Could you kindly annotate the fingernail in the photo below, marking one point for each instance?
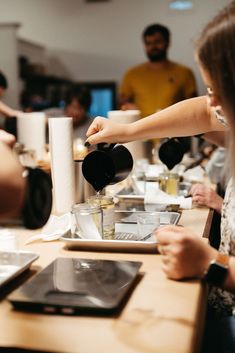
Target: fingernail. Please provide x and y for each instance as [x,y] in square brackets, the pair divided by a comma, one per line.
[87,144]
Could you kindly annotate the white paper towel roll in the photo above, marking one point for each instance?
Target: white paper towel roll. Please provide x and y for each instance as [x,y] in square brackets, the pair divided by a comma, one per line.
[31,131]
[126,117]
[62,165]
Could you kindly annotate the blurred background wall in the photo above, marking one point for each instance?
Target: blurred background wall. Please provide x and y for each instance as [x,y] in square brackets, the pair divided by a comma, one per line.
[100,41]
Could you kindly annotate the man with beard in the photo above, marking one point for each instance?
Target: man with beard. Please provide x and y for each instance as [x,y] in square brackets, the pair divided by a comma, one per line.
[158,83]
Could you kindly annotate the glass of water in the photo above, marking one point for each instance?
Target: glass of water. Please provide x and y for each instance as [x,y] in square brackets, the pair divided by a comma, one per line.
[147,223]
[106,203]
[89,221]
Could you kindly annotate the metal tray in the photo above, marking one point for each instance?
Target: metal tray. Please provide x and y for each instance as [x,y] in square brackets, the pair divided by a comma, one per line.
[131,216]
[129,193]
[149,245]
[13,263]
[125,222]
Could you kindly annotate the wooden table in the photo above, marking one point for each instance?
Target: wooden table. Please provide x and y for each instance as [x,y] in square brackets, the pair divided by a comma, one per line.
[161,315]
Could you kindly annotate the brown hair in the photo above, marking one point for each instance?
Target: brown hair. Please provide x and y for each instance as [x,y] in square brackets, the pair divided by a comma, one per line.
[216,53]
[157,28]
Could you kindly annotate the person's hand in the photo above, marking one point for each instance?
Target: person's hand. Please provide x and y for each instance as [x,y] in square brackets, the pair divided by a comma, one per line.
[17,113]
[7,138]
[205,196]
[185,255]
[104,130]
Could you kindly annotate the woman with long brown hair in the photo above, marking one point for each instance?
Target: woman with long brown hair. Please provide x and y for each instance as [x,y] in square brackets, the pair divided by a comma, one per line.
[185,255]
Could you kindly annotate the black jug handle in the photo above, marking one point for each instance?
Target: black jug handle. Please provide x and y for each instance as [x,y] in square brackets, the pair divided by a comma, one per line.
[105,146]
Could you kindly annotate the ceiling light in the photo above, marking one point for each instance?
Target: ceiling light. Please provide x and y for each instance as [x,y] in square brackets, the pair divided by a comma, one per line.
[181,5]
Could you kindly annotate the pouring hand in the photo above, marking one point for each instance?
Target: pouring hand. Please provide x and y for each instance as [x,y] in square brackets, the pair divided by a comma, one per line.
[104,130]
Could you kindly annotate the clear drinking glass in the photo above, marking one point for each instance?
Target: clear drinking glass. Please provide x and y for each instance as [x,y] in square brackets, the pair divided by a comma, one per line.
[169,183]
[147,223]
[89,220]
[138,176]
[107,205]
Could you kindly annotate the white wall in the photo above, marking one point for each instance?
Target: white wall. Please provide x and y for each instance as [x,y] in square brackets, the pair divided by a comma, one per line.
[100,41]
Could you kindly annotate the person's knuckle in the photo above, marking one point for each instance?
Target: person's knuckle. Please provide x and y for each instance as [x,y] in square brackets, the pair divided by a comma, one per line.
[184,238]
[176,251]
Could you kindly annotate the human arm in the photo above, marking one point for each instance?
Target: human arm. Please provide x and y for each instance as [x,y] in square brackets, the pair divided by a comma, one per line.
[217,138]
[7,111]
[189,117]
[12,184]
[205,196]
[185,255]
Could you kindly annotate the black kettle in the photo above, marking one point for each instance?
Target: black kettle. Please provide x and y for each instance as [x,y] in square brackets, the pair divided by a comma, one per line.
[171,152]
[108,164]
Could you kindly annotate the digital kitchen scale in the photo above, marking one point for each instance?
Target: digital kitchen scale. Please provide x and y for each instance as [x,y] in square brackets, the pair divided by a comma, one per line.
[74,286]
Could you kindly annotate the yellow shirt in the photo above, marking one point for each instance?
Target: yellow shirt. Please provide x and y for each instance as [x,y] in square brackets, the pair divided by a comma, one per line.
[155,89]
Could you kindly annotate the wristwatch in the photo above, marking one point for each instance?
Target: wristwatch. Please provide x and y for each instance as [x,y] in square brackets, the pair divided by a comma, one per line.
[217,270]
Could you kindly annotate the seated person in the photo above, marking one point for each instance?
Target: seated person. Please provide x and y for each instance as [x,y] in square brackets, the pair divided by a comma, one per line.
[5,109]
[7,138]
[77,104]
[12,183]
[204,195]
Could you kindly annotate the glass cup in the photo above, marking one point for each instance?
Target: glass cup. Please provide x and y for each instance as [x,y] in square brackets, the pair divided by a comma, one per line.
[147,223]
[89,221]
[107,205]
[138,183]
[169,183]
[138,176]
[141,164]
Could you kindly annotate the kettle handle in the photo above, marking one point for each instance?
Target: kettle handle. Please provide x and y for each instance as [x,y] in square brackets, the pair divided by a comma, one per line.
[105,146]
